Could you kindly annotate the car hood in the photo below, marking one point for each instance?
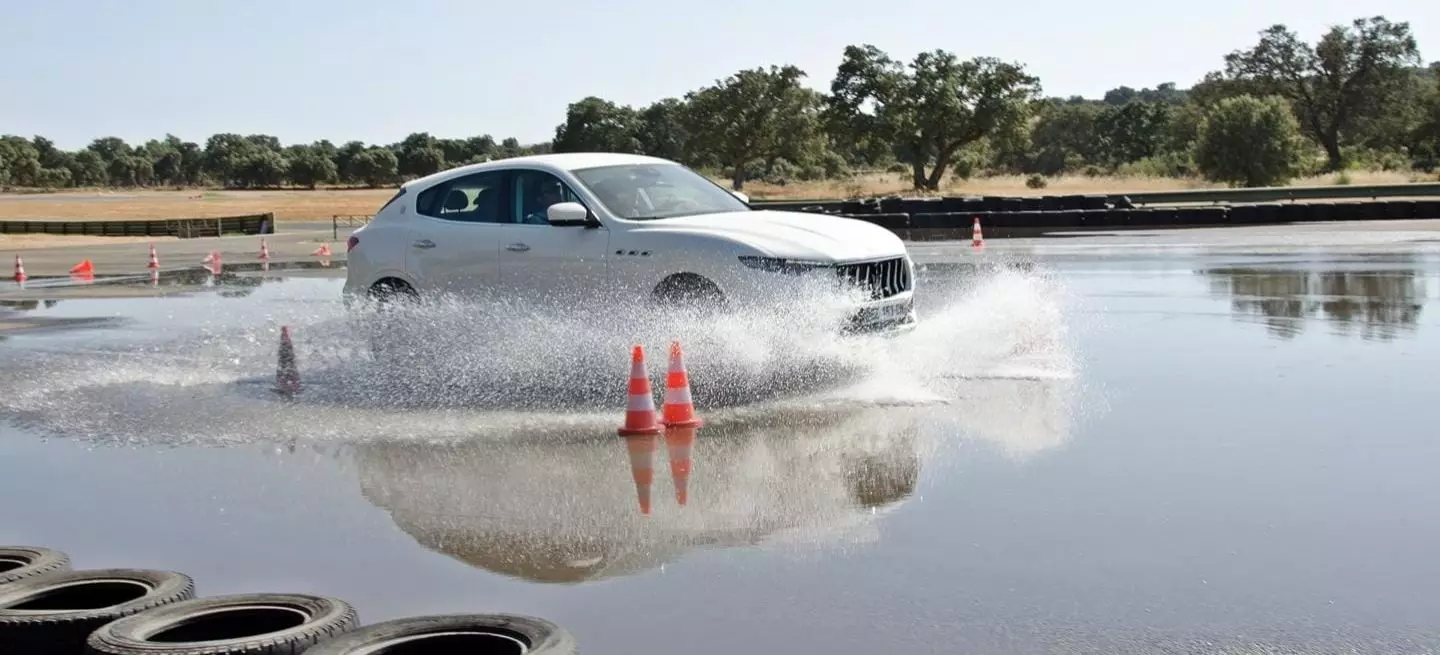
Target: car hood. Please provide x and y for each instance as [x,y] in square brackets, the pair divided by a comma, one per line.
[792,235]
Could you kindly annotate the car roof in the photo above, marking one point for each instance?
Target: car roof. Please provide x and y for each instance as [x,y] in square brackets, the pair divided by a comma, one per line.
[568,161]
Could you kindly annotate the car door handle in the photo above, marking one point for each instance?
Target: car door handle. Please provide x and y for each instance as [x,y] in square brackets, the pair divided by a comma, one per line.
[424,243]
[517,247]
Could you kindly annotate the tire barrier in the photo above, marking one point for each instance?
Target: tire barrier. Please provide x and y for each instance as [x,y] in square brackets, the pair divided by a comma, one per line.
[20,562]
[48,609]
[252,624]
[183,228]
[495,634]
[951,218]
[54,613]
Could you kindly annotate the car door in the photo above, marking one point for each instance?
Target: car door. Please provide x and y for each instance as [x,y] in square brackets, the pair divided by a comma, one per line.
[543,261]
[455,237]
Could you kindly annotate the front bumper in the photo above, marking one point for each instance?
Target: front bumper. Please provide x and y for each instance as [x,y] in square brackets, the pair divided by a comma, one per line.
[886,319]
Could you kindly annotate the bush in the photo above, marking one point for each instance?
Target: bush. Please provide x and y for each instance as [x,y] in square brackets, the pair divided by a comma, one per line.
[1036,182]
[1250,141]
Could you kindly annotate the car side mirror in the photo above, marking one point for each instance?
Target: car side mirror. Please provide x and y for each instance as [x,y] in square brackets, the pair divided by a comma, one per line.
[743,198]
[568,214]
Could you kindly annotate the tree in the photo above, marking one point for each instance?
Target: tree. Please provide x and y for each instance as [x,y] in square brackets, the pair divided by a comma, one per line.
[937,106]
[1350,76]
[597,125]
[1250,141]
[759,113]
[1063,138]
[1131,132]
[662,131]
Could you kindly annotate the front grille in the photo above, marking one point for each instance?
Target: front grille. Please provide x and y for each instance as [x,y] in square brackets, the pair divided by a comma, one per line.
[881,279]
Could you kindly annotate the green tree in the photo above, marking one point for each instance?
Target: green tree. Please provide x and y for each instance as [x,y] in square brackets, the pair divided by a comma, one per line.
[1063,138]
[308,166]
[937,106]
[662,131]
[596,125]
[1250,141]
[1132,131]
[756,114]
[376,166]
[1351,75]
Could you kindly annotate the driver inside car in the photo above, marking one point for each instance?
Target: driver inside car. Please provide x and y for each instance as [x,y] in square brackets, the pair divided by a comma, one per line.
[547,193]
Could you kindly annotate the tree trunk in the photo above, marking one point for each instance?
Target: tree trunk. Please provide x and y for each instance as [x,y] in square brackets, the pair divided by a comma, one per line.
[917,172]
[1331,143]
[937,174]
[737,178]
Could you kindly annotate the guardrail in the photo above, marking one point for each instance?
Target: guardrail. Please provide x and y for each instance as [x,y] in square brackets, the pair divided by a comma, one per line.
[184,228]
[1101,201]
[350,220]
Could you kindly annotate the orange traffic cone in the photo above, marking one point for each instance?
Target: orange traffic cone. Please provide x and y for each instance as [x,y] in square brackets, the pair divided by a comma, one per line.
[679,409]
[287,374]
[640,415]
[322,251]
[977,237]
[83,268]
[643,451]
[264,249]
[20,275]
[154,258]
[679,441]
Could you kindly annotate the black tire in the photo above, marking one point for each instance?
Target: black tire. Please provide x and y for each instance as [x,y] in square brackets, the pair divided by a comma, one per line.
[253,624]
[482,634]
[55,613]
[21,562]
[385,298]
[689,293]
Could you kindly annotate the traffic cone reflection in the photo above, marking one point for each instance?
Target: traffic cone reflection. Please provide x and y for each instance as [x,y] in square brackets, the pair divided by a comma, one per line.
[640,415]
[643,451]
[287,373]
[679,441]
[679,409]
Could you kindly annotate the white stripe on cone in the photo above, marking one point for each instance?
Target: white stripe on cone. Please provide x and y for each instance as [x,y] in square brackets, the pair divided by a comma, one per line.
[641,403]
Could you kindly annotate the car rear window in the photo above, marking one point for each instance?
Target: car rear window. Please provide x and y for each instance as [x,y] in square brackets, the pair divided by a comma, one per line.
[391,201]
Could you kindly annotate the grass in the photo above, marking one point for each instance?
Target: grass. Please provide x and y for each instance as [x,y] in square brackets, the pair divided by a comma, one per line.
[321,204]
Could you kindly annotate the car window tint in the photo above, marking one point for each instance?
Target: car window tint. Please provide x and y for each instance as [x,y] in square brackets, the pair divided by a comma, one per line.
[476,198]
[531,198]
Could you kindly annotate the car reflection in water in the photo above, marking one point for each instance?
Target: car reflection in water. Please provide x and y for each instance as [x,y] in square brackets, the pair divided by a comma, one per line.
[567,513]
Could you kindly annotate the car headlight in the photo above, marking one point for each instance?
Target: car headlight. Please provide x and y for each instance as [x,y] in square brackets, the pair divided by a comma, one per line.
[781,265]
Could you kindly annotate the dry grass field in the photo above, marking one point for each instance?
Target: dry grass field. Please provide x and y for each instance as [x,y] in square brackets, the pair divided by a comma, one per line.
[321,204]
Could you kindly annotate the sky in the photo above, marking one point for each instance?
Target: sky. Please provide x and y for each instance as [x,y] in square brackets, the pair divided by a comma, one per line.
[304,70]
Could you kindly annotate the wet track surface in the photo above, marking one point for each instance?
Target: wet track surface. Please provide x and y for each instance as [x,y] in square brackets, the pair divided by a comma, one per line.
[1200,441]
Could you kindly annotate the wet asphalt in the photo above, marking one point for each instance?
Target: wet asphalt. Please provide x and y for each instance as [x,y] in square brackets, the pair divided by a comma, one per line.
[1211,440]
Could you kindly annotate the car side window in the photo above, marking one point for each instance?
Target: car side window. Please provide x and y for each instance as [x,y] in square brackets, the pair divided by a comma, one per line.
[475,198]
[534,192]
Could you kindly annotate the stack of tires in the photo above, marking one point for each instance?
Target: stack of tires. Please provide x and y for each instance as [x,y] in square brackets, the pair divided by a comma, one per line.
[46,608]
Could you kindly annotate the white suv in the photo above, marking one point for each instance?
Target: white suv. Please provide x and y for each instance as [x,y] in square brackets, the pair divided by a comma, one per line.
[617,229]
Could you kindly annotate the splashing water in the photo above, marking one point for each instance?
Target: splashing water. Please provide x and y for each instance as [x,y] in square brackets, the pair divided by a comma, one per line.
[448,369]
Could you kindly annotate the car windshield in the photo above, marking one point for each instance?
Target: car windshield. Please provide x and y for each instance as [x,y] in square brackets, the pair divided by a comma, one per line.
[641,192]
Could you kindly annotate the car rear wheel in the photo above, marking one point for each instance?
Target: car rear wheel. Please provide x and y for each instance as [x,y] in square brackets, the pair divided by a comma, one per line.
[387,298]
